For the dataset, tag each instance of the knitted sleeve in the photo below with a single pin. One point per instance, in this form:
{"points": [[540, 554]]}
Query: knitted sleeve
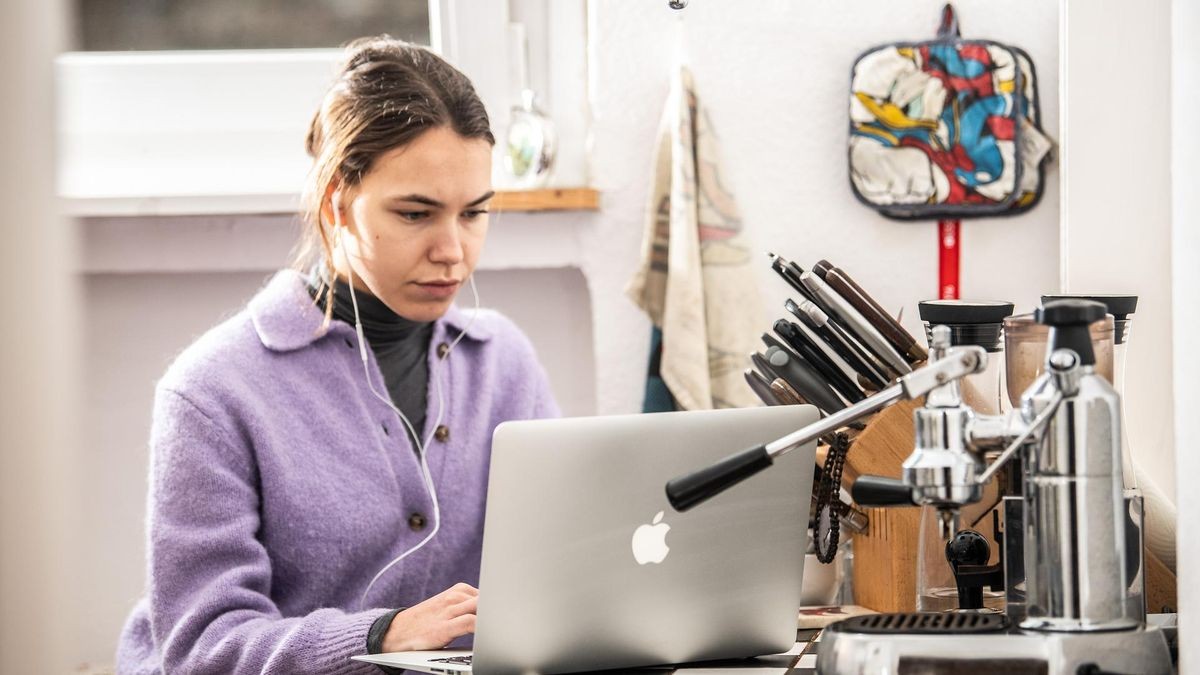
{"points": [[210, 577]]}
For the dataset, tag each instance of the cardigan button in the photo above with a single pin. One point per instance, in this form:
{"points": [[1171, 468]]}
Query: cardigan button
{"points": [[416, 522], [442, 433], [442, 350]]}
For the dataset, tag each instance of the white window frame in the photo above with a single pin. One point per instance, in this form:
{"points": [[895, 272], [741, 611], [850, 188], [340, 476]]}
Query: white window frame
{"points": [[221, 132]]}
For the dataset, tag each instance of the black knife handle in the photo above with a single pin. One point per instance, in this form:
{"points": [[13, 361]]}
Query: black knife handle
{"points": [[691, 489], [800, 342], [804, 378], [834, 336], [761, 387], [881, 491]]}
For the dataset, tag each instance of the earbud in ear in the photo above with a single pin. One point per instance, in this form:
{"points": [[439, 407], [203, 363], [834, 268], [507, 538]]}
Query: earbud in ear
{"points": [[335, 201]]}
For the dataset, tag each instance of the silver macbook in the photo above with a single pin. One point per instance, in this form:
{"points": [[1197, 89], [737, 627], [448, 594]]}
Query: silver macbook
{"points": [[586, 566]]}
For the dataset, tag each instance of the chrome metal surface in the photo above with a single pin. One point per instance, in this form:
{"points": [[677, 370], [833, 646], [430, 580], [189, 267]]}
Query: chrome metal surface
{"points": [[962, 362], [1071, 579], [1075, 531], [942, 471], [825, 425], [1074, 555], [1034, 427], [1143, 651]]}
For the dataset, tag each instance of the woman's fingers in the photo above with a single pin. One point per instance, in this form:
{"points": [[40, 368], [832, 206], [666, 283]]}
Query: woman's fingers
{"points": [[467, 606], [462, 625], [458, 593]]}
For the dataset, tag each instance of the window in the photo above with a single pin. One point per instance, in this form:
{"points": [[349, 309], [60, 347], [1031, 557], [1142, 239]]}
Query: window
{"points": [[154, 25], [211, 130]]}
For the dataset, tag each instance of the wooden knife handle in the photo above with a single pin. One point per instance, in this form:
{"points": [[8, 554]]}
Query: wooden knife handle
{"points": [[904, 342]]}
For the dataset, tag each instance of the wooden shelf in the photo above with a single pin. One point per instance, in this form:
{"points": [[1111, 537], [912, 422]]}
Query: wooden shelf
{"points": [[511, 201], [549, 199]]}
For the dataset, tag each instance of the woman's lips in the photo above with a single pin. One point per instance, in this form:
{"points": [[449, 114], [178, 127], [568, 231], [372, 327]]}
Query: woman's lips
{"points": [[438, 290]]}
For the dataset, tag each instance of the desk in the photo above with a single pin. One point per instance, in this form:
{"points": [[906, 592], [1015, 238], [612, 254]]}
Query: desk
{"points": [[800, 660]]}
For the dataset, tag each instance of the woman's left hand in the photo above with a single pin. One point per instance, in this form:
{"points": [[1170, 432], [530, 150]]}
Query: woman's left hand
{"points": [[434, 623]]}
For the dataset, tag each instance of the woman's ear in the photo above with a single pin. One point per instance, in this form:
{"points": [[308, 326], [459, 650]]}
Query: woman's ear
{"points": [[331, 204]]}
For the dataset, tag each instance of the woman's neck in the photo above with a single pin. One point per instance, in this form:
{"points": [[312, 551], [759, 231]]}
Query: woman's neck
{"points": [[381, 325]]}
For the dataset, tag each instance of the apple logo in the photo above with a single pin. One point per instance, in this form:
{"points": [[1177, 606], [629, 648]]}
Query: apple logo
{"points": [[650, 541]]}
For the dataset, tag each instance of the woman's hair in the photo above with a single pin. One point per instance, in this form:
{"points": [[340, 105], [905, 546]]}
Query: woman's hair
{"points": [[387, 93]]}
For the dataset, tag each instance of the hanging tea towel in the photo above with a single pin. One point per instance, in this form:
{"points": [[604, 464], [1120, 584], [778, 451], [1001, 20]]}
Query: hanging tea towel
{"points": [[696, 280]]}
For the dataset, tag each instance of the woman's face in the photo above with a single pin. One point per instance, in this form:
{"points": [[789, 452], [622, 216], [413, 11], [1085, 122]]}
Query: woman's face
{"points": [[416, 222]]}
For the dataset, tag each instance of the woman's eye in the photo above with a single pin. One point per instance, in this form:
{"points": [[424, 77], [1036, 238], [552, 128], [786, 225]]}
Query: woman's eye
{"points": [[413, 216], [472, 215]]}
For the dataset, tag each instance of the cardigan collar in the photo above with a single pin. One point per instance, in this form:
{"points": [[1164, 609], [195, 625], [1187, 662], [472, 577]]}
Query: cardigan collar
{"points": [[286, 318]]}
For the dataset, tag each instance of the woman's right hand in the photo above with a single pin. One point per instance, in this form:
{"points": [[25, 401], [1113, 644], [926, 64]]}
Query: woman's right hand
{"points": [[434, 623]]}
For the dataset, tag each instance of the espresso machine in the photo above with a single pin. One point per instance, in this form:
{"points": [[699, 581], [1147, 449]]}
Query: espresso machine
{"points": [[1070, 606]]}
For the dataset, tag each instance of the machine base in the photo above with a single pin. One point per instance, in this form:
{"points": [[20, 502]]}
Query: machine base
{"points": [[1012, 651]]}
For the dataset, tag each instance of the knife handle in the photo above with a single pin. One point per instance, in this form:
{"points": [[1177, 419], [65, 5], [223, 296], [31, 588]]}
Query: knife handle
{"points": [[804, 379], [764, 368], [761, 387], [822, 268], [834, 304], [792, 334], [786, 395], [772, 340], [883, 322], [843, 346], [787, 272]]}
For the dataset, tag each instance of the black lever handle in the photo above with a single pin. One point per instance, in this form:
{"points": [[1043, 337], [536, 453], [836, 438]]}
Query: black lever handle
{"points": [[694, 488], [881, 491], [968, 553]]}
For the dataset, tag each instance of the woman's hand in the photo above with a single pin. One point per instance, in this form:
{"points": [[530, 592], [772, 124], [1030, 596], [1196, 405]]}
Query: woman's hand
{"points": [[434, 623]]}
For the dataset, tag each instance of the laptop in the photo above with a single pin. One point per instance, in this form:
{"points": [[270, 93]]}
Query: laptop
{"points": [[587, 567]]}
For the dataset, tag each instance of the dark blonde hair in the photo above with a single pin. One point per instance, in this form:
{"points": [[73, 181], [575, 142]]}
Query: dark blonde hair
{"points": [[387, 93]]}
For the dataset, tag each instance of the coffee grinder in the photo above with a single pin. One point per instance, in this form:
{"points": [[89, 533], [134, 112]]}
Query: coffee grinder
{"points": [[1076, 614]]}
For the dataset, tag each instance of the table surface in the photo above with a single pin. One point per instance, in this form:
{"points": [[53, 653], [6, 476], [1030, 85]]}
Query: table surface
{"points": [[800, 660]]}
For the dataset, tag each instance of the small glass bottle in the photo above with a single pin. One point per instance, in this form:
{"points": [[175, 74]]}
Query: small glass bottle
{"points": [[530, 143], [979, 324]]}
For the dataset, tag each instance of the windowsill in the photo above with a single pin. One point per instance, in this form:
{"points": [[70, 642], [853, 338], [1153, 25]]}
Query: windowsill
{"points": [[220, 133], [509, 201]]}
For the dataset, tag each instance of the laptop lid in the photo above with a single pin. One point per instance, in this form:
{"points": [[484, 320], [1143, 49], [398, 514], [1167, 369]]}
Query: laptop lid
{"points": [[586, 566]]}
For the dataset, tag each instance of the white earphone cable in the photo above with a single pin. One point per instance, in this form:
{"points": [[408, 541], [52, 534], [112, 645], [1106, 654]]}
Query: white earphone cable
{"points": [[427, 476]]}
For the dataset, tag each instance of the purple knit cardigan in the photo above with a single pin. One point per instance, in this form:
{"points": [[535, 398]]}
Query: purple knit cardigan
{"points": [[279, 486]]}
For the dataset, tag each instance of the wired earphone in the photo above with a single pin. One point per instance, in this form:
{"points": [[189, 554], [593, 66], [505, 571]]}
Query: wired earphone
{"points": [[339, 228]]}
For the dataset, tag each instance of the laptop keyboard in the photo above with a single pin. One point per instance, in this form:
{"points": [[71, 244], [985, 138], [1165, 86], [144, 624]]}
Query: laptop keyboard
{"points": [[456, 660]]}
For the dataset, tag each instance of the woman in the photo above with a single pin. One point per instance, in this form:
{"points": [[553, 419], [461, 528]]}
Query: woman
{"points": [[285, 472]]}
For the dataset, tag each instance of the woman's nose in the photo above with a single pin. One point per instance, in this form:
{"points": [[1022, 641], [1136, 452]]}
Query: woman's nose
{"points": [[446, 247]]}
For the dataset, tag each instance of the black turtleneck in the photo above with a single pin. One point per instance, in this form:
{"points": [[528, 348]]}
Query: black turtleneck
{"points": [[401, 346]]}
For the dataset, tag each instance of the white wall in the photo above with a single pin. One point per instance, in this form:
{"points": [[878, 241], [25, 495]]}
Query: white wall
{"points": [[38, 490], [775, 77], [1116, 205], [1185, 229]]}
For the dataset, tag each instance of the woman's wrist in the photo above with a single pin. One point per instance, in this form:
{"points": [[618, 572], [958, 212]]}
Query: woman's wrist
{"points": [[379, 631]]}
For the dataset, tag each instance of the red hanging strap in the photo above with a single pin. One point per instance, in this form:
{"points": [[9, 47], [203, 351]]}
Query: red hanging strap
{"points": [[948, 247]]}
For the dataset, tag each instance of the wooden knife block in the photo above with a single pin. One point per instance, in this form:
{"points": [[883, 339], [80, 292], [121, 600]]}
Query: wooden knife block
{"points": [[885, 556]]}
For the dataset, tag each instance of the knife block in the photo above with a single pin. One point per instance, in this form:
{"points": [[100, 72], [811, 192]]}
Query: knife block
{"points": [[885, 556]]}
